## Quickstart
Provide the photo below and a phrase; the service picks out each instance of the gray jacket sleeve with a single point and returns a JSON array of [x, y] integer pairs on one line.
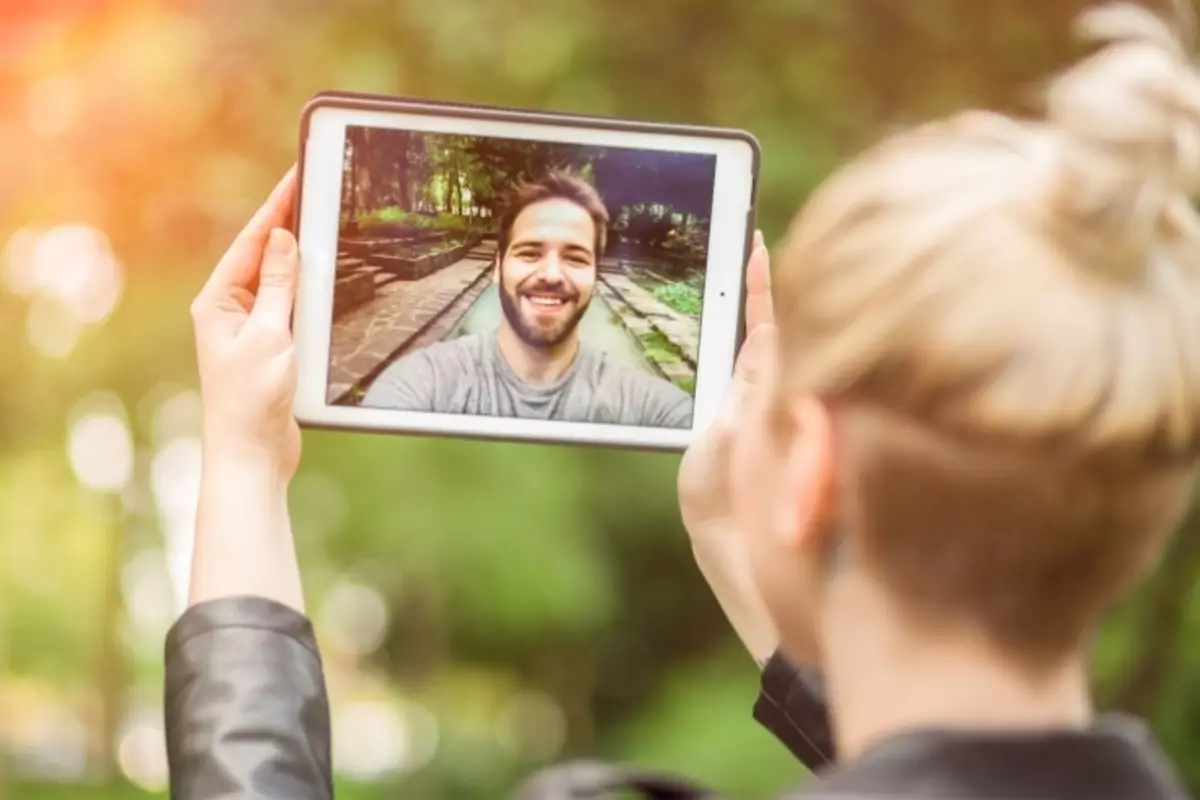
[[247, 715], [246, 711]]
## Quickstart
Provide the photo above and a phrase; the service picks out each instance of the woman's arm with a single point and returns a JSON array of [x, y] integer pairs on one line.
[[246, 709]]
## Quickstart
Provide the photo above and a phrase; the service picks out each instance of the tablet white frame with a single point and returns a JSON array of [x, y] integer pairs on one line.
[[320, 210]]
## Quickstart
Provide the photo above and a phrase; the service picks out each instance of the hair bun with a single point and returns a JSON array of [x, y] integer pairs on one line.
[[1129, 116]]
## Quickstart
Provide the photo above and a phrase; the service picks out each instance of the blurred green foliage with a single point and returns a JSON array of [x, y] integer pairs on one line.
[[505, 572], [686, 298]]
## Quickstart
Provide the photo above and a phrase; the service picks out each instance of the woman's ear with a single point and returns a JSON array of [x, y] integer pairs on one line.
[[808, 482]]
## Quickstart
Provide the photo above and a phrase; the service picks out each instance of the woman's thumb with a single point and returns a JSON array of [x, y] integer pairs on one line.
[[750, 370], [753, 360], [276, 281]]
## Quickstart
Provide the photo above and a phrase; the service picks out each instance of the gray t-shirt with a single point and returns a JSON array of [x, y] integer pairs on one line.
[[468, 375]]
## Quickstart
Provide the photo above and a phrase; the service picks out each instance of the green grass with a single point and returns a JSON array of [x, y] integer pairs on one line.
[[420, 251], [658, 349], [414, 251], [682, 297], [394, 215]]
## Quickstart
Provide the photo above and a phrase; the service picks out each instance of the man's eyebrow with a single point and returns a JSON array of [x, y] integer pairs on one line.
[[569, 247]]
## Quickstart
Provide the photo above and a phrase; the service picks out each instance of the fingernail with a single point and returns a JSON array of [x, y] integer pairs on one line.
[[280, 243], [758, 239]]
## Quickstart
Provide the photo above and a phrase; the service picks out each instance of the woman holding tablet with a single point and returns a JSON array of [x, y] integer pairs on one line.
[[969, 427], [246, 707]]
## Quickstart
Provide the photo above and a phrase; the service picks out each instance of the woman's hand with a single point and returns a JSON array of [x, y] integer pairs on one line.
[[704, 477], [244, 341], [251, 442]]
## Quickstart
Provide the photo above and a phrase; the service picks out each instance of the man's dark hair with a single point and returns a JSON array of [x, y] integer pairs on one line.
[[553, 185]]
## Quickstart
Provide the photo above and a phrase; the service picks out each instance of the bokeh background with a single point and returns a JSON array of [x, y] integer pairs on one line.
[[483, 608]]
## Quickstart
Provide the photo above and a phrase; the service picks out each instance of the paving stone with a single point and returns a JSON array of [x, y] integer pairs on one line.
[[673, 369], [676, 370], [370, 335], [681, 330], [351, 291]]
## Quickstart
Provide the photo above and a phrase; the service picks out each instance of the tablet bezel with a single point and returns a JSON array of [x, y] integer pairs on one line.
[[323, 128]]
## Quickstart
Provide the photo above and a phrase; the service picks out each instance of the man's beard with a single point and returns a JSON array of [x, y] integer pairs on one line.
[[530, 332]]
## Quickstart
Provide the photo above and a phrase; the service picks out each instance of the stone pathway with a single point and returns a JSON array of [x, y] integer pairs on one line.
[[364, 266], [682, 331], [446, 324], [668, 363], [370, 336]]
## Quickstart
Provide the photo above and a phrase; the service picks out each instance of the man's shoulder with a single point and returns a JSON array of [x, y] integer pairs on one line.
[[450, 355], [470, 345], [638, 381], [639, 394], [419, 376]]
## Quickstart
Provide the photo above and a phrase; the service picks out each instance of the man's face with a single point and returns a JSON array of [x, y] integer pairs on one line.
[[547, 275]]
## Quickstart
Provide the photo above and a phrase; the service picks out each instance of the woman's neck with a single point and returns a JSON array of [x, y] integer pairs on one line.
[[885, 679]]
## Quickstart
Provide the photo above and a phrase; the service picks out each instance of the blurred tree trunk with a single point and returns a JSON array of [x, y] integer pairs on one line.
[[458, 189], [403, 191], [349, 185], [566, 671], [416, 646]]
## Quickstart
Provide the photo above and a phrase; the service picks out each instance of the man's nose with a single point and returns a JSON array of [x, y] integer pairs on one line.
[[552, 266]]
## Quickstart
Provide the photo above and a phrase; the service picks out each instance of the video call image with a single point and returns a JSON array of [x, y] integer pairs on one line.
[[511, 278]]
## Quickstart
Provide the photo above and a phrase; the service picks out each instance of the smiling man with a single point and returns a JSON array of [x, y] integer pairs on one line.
[[552, 235]]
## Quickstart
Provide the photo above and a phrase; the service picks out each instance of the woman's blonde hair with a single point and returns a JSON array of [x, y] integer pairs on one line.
[[1022, 297]]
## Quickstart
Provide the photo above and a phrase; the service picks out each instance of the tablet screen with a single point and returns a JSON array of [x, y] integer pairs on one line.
[[504, 277]]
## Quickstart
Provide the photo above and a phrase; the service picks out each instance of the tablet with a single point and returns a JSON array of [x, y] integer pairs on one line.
[[506, 274]]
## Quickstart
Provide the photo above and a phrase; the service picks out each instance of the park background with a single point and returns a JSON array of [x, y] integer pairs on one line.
[[418, 236], [483, 608]]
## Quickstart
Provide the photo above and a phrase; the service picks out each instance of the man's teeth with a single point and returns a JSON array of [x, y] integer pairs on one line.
[[545, 301]]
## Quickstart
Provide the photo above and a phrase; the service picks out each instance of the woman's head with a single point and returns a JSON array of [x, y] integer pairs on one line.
[[988, 372]]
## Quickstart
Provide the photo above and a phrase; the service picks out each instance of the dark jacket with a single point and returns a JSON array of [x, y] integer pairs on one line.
[[247, 717]]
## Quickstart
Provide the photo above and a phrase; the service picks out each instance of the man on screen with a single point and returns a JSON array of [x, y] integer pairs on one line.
[[552, 235]]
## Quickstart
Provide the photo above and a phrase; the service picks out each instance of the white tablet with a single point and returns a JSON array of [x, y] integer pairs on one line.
[[492, 273]]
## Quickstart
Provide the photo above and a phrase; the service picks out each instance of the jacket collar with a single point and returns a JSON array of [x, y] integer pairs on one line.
[[1114, 760]]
